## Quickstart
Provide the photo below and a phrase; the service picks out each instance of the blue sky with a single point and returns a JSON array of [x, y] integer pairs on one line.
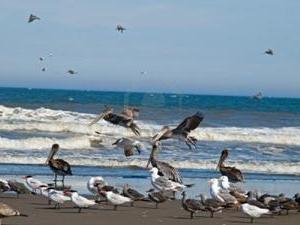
[[195, 46]]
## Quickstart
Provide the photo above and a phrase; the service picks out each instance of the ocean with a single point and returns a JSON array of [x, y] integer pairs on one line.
[[263, 136]]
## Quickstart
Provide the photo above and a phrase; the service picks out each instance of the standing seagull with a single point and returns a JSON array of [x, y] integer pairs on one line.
[[115, 199], [233, 174], [157, 197], [182, 131], [33, 184], [128, 145], [164, 169], [133, 194], [253, 211], [58, 166], [269, 51], [117, 119], [191, 205], [211, 205], [33, 18], [80, 201], [120, 28], [18, 187], [7, 211]]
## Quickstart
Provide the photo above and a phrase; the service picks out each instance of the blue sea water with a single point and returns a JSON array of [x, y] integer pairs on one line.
[[263, 136]]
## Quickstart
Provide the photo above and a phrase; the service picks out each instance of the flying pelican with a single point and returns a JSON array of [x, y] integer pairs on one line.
[[191, 205], [233, 174], [164, 169], [182, 131], [253, 211], [129, 146], [33, 18], [133, 194], [120, 28], [211, 205], [157, 197], [117, 119], [115, 199], [58, 166], [7, 211], [72, 72], [80, 201], [162, 183], [269, 51]]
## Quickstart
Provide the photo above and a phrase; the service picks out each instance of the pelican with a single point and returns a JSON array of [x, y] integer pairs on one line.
[[191, 205], [157, 197], [269, 51], [162, 183], [115, 199], [33, 18], [80, 201], [133, 194], [120, 28], [33, 184], [132, 112], [164, 168], [58, 166], [182, 131], [7, 211], [233, 174], [253, 211], [18, 187], [211, 205], [117, 119], [128, 145]]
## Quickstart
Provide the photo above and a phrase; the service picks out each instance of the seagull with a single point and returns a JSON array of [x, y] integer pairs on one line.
[[233, 174], [269, 51], [120, 28], [157, 197], [58, 166], [133, 194], [182, 131], [7, 211], [58, 197], [116, 199], [33, 183], [253, 211], [164, 168], [95, 182], [191, 205], [80, 201], [33, 18], [72, 72], [128, 145], [117, 119], [164, 184], [211, 205]]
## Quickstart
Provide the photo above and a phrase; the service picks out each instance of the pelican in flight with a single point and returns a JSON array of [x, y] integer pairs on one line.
[[129, 146], [7, 211], [58, 166], [33, 18], [120, 28], [72, 72], [124, 119], [182, 131], [233, 174], [164, 169], [269, 51]]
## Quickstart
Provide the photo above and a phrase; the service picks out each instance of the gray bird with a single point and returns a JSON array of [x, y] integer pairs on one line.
[[129, 146], [191, 205], [72, 72], [33, 18], [120, 28], [211, 205], [133, 194], [269, 51], [157, 197]]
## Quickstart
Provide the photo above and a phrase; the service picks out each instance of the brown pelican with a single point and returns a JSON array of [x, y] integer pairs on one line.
[[233, 174], [121, 119], [7, 211], [72, 72], [58, 166], [133, 194], [157, 197], [18, 187], [33, 18], [191, 205], [269, 51], [211, 205], [120, 28], [129, 146], [182, 131], [164, 169]]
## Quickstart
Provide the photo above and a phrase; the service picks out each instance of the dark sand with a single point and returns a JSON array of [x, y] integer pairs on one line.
[[40, 213]]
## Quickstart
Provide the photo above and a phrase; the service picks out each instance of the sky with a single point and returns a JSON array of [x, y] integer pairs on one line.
[[194, 46]]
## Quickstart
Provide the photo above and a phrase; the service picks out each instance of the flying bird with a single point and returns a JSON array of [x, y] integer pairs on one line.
[[121, 119], [41, 58], [233, 174], [129, 146], [33, 18], [269, 51], [182, 131], [120, 28], [72, 72], [44, 69]]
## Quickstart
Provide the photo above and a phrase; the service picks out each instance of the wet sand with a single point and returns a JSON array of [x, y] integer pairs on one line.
[[40, 213]]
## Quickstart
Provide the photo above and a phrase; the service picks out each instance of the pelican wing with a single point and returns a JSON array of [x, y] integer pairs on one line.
[[169, 171], [131, 112], [99, 117], [62, 165], [161, 133], [190, 123]]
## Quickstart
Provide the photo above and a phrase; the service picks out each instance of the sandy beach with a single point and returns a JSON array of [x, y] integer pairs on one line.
[[40, 213]]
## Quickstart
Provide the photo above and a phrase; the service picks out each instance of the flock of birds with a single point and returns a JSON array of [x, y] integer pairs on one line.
[[165, 179]]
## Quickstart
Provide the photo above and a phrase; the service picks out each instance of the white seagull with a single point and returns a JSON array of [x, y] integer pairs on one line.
[[253, 211], [34, 184], [80, 201], [94, 182], [220, 195], [115, 199]]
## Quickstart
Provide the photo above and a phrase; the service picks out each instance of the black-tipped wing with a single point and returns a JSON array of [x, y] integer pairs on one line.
[[190, 123]]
